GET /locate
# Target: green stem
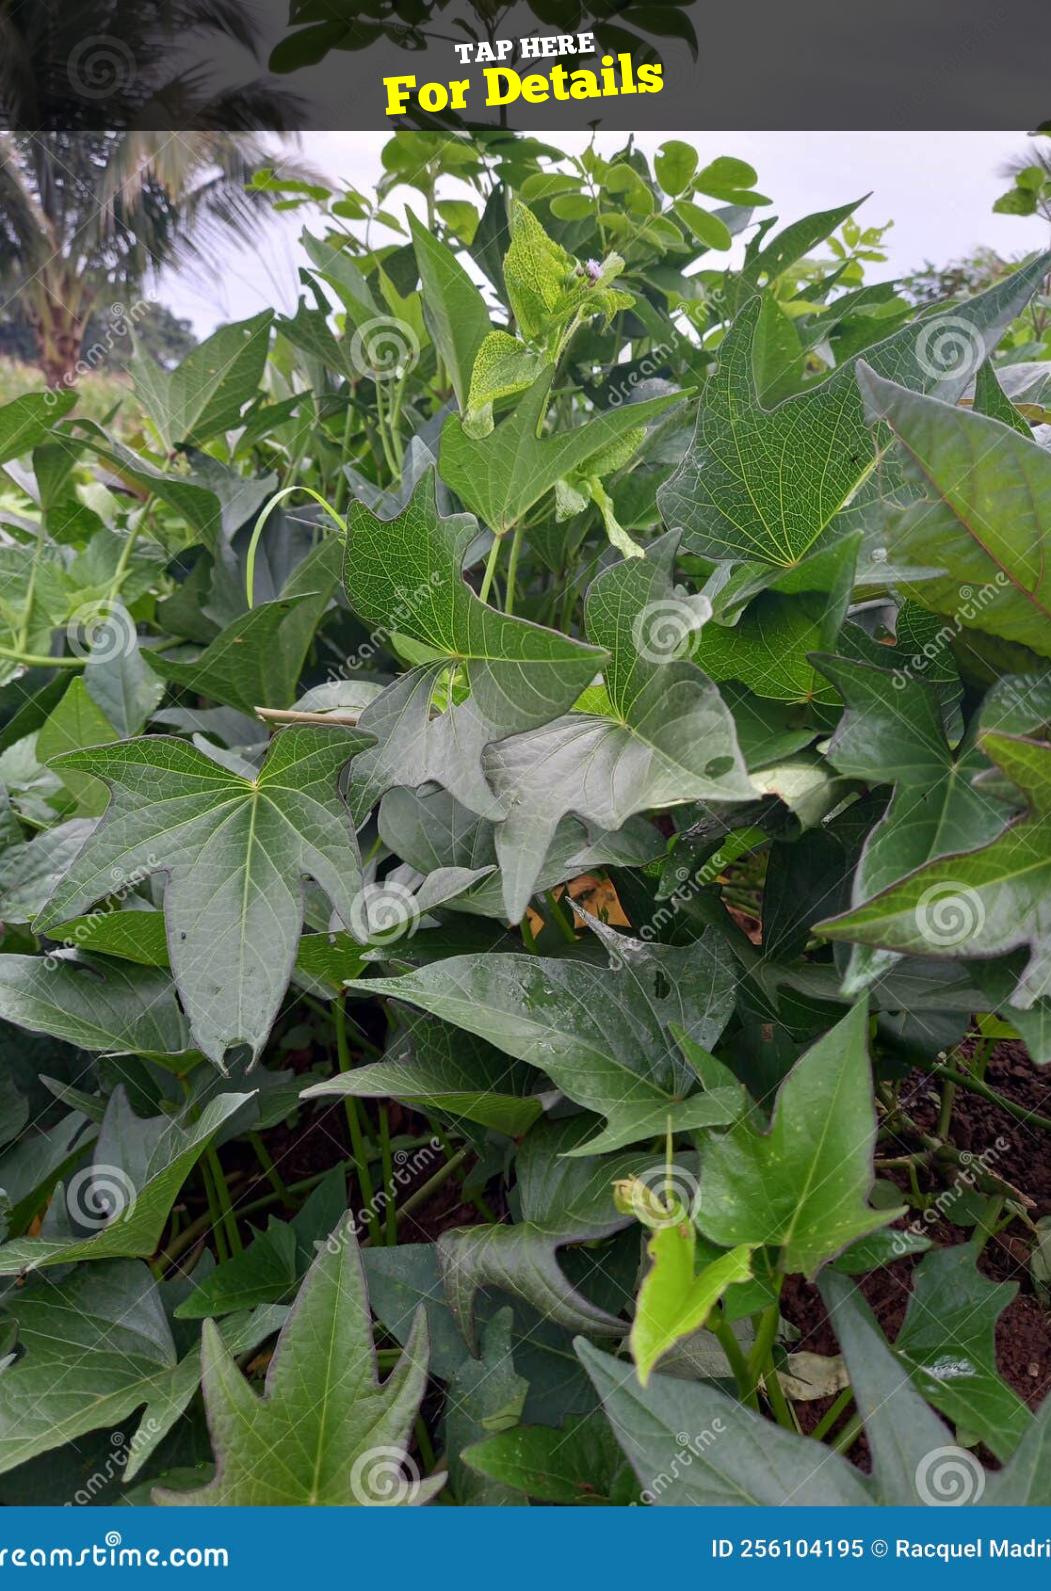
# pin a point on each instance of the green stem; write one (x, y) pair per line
(1019, 1112)
(765, 1337)
(423, 1193)
(213, 1222)
(260, 524)
(736, 1360)
(559, 918)
(986, 1224)
(848, 1436)
(273, 1176)
(512, 569)
(22, 638)
(832, 1414)
(357, 1137)
(40, 659)
(775, 1392)
(389, 1185)
(222, 1194)
(342, 484)
(490, 570)
(125, 558)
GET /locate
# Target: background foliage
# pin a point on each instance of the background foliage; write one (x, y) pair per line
(524, 850)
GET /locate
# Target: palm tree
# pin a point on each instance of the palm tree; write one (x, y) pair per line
(92, 198)
(83, 215)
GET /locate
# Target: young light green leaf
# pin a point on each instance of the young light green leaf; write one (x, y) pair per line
(675, 1299)
(804, 1185)
(499, 477)
(325, 1433)
(234, 852)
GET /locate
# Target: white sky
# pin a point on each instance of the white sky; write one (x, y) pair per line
(937, 187)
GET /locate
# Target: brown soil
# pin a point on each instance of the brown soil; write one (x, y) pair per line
(1023, 1334)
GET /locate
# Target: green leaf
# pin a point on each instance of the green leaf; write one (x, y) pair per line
(990, 399)
(675, 1300)
(980, 903)
(265, 1272)
(76, 722)
(416, 746)
(26, 421)
(804, 1185)
(96, 1347)
(668, 736)
(675, 165)
(905, 1437)
(234, 853)
(500, 477)
(484, 1395)
(212, 499)
(578, 1463)
(127, 1191)
(947, 1343)
(555, 1014)
(453, 308)
(117, 679)
(207, 392)
(767, 484)
(981, 520)
(325, 1433)
(405, 575)
(891, 732)
(731, 1458)
(706, 228)
(503, 367)
(256, 660)
(563, 1200)
(96, 1005)
(130, 935)
(436, 1067)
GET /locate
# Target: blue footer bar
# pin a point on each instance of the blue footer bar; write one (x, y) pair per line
(528, 1549)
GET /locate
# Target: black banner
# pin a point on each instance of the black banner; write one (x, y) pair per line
(86, 65)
